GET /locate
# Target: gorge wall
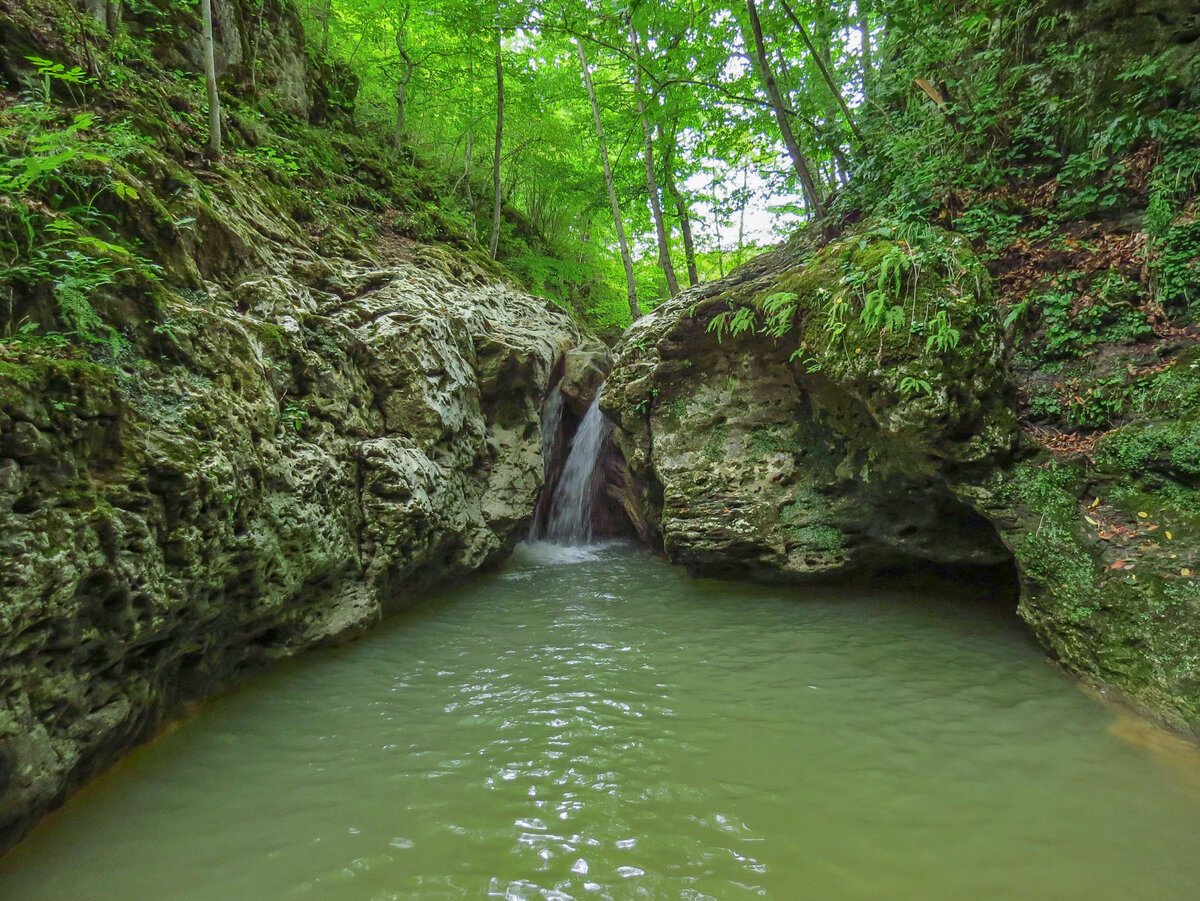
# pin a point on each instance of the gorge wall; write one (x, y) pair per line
(294, 392)
(775, 428)
(293, 461)
(273, 421)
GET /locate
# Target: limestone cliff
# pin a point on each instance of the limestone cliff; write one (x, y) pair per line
(292, 462)
(266, 418)
(801, 419)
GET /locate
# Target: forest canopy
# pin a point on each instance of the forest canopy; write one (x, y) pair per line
(726, 124)
(609, 154)
(687, 87)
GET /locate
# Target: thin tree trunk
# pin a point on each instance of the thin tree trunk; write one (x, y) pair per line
(812, 195)
(326, 15)
(401, 105)
(467, 176)
(401, 98)
(470, 144)
(210, 79)
(497, 193)
(745, 199)
(864, 30)
(821, 64)
(716, 226)
(660, 228)
(112, 16)
(631, 285)
(402, 85)
(681, 208)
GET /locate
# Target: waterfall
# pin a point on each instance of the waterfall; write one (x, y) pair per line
(570, 519)
(551, 420)
(552, 413)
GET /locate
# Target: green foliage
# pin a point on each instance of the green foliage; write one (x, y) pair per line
(1077, 313)
(818, 537)
(733, 321)
(895, 284)
(51, 72)
(913, 385)
(1019, 92)
(1171, 214)
(1171, 448)
(294, 416)
(53, 235)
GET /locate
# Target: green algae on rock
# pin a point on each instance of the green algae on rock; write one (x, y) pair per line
(283, 476)
(801, 453)
(279, 433)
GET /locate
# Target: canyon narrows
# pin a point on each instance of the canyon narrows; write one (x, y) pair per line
(311, 312)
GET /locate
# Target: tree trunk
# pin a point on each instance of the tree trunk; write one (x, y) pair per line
(716, 227)
(409, 66)
(864, 29)
(401, 96)
(744, 201)
(467, 175)
(630, 284)
(470, 154)
(497, 193)
(326, 15)
(112, 16)
(681, 208)
(210, 79)
(822, 60)
(812, 195)
(401, 100)
(660, 229)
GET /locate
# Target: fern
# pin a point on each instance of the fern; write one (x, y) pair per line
(911, 385)
(780, 309)
(719, 324)
(743, 320)
(944, 337)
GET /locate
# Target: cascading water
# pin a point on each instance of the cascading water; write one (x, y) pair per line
(552, 411)
(552, 414)
(570, 517)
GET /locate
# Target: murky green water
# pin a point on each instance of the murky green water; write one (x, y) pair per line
(614, 729)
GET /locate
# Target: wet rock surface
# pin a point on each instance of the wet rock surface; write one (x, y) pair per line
(293, 462)
(748, 464)
(825, 453)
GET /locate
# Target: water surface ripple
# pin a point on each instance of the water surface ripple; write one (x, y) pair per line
(603, 726)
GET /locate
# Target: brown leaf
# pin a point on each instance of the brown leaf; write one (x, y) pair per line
(931, 92)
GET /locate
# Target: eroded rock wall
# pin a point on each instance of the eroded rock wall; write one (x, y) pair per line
(274, 413)
(807, 444)
(291, 460)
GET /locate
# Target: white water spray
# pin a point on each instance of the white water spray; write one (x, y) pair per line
(570, 519)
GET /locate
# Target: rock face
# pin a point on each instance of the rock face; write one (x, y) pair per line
(282, 414)
(294, 461)
(584, 370)
(835, 415)
(752, 465)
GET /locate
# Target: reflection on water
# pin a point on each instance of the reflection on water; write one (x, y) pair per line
(594, 724)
